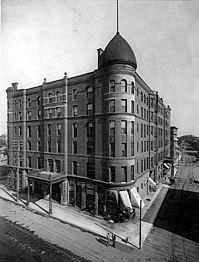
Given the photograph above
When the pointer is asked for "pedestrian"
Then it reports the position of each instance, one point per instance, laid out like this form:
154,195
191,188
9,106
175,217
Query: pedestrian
108,240
114,239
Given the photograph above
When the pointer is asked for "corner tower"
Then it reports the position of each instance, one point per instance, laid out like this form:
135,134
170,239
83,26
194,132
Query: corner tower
116,73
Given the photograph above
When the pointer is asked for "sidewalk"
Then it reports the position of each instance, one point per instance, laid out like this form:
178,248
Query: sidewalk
98,226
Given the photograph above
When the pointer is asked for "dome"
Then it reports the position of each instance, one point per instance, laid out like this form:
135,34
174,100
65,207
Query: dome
118,51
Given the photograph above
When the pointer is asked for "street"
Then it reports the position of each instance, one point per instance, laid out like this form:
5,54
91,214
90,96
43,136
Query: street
28,236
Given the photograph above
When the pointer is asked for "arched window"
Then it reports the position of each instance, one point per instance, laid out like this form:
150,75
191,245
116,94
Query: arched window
112,86
141,96
39,100
74,94
123,86
58,95
89,92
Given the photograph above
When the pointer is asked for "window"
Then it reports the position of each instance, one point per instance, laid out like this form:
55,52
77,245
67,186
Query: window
132,148
112,149
141,130
137,146
132,87
74,168
39,114
39,101
74,96
51,165
15,103
49,146
124,149
141,111
50,113
123,127
112,106
38,131
141,96
137,109
89,148
38,146
74,110
124,105
49,129
89,92
20,104
132,107
58,96
132,172
152,145
28,161
59,129
89,109
90,170
124,172
29,131
112,127
58,111
144,98
137,167
20,131
132,127
29,115
141,146
59,146
50,98
123,86
112,173
15,129
144,113
144,130
29,145
39,163
20,116
29,102
137,127
58,166
74,147
141,166
89,129
112,86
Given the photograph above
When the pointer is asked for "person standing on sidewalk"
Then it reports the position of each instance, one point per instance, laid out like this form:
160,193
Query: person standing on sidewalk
113,239
108,240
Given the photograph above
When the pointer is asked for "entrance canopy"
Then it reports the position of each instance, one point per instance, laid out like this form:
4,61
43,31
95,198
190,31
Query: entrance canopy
46,177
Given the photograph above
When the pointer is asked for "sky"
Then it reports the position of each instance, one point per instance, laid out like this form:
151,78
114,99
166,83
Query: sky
45,38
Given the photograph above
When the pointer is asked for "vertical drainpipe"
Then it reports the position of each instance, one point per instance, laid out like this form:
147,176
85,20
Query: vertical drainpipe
65,183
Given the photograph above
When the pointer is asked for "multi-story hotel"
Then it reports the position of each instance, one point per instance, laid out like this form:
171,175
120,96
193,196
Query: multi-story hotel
105,131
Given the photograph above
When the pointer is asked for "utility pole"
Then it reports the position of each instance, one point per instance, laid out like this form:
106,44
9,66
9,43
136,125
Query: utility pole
140,232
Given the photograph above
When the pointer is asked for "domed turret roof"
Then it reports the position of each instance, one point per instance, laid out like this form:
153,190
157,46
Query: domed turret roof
118,51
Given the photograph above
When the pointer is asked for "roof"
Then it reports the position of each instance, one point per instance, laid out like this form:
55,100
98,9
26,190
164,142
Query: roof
118,51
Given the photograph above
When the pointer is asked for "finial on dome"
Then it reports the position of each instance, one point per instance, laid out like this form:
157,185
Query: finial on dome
117,18
44,82
65,75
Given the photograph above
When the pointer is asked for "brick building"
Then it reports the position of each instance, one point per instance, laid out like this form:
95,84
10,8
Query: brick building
106,130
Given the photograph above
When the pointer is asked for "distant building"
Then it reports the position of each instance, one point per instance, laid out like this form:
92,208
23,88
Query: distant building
174,142
106,130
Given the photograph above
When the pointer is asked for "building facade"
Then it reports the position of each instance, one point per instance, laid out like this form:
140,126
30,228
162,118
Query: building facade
106,130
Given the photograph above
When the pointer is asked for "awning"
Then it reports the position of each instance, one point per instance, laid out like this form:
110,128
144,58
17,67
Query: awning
113,192
125,198
135,198
166,166
152,182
